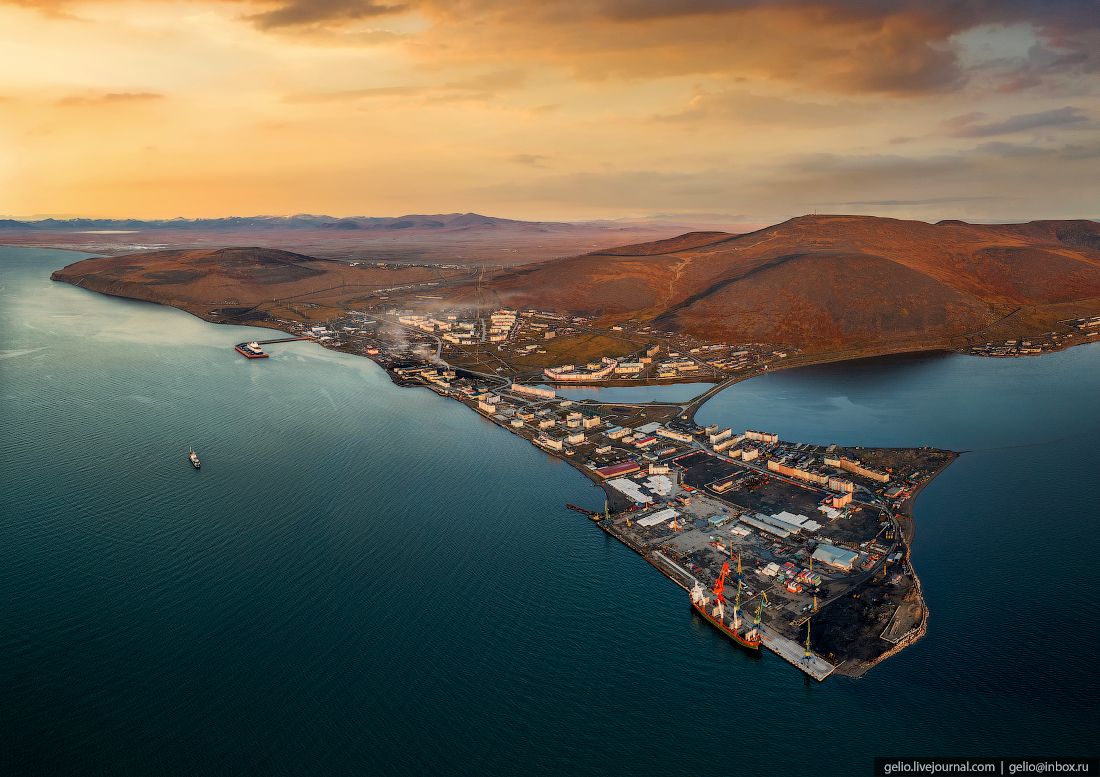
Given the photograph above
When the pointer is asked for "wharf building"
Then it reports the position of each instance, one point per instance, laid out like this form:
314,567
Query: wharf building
838,558
618,470
857,468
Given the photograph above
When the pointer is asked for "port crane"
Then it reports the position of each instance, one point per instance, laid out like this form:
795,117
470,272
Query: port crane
807,658
757,627
719,599
737,614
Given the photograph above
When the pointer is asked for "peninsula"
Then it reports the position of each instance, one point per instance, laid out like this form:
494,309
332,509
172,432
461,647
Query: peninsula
820,535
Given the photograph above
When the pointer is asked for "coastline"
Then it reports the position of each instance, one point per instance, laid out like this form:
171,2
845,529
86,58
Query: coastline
687,409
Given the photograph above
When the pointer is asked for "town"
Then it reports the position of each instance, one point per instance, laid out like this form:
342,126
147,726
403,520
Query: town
818,535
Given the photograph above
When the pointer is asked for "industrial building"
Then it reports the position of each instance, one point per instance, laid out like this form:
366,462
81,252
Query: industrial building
658,517
618,470
835,557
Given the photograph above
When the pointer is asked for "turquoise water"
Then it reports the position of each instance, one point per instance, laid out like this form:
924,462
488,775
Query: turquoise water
364,579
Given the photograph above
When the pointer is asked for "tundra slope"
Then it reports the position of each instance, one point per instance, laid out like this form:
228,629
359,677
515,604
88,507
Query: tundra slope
819,283
824,282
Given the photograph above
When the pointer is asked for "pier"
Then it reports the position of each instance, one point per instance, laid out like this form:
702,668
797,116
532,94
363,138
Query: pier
281,340
787,649
242,348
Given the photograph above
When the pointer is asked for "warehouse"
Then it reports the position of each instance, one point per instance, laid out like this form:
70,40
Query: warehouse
835,557
656,518
765,527
617,470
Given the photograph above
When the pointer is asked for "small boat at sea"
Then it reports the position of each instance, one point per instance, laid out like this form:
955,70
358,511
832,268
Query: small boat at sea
194,457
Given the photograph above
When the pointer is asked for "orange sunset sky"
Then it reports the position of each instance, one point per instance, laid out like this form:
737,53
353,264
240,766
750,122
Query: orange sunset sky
555,109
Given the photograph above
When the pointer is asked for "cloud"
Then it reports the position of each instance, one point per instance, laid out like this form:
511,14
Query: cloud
533,160
743,107
113,98
308,12
965,126
497,80
1044,64
892,47
349,95
1074,153
1002,149
468,90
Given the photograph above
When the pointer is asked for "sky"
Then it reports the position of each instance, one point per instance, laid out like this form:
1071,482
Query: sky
752,110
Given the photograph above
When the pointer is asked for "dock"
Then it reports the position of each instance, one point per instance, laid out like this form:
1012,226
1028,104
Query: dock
281,340
795,654
240,346
787,649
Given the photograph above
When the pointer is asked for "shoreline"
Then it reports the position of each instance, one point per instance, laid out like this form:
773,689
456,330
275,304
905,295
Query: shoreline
687,409
908,530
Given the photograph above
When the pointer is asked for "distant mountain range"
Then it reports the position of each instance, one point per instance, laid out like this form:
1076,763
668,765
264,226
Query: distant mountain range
445,221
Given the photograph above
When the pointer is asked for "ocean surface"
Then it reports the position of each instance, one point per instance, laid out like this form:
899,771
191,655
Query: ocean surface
364,579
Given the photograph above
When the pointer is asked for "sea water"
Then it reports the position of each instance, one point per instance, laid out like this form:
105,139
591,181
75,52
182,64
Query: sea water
364,579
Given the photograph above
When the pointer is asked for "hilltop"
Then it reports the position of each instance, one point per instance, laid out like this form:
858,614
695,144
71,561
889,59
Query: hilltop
816,283
824,281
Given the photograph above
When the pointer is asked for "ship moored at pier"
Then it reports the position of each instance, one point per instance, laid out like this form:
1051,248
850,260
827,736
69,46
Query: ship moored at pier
717,616
251,350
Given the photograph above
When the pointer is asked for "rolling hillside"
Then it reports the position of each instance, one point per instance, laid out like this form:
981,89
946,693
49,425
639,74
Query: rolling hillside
824,281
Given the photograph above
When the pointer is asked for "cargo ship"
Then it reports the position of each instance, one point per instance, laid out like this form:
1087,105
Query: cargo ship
251,350
717,615
194,457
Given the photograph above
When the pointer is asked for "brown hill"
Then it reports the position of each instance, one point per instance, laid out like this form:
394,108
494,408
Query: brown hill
250,279
820,283
824,281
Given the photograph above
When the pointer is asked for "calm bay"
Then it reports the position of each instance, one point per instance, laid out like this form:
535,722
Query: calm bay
368,579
